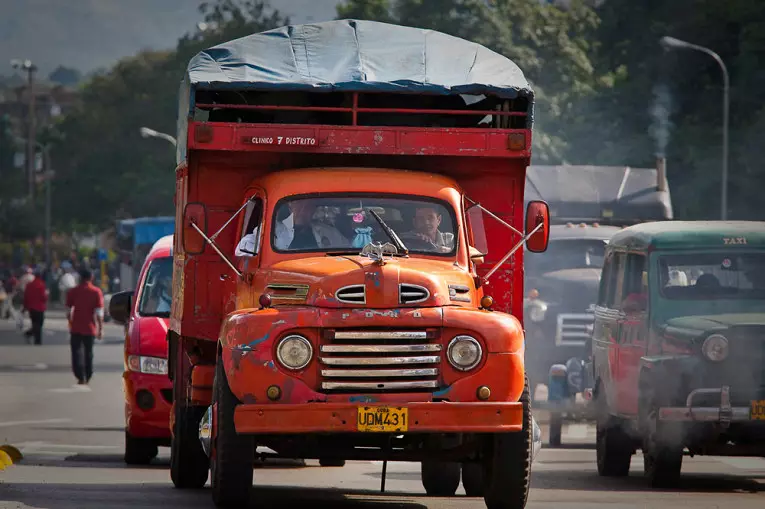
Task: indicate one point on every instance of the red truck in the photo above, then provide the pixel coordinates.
(348, 264)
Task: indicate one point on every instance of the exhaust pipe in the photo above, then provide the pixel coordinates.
(661, 173)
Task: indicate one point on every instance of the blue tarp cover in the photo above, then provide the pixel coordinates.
(351, 56)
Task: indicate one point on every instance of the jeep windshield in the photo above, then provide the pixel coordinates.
(343, 224)
(713, 276)
(567, 254)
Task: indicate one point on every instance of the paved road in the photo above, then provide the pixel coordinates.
(72, 439)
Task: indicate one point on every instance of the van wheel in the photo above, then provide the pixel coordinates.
(472, 479)
(232, 456)
(189, 464)
(507, 464)
(440, 479)
(331, 462)
(139, 451)
(556, 428)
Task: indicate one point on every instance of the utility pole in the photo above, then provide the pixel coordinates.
(48, 178)
(30, 69)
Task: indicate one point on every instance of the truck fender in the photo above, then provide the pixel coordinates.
(672, 373)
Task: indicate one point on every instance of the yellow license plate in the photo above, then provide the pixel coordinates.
(758, 410)
(382, 419)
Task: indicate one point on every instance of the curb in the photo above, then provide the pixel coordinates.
(9, 455)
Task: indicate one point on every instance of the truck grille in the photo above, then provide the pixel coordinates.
(353, 294)
(412, 294)
(380, 361)
(573, 329)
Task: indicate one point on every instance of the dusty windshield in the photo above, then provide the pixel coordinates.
(567, 254)
(712, 276)
(156, 295)
(344, 223)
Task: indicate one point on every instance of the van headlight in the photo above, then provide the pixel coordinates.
(464, 352)
(715, 348)
(149, 365)
(537, 311)
(294, 352)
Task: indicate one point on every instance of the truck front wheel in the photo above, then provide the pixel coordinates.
(232, 456)
(189, 464)
(472, 479)
(507, 464)
(440, 479)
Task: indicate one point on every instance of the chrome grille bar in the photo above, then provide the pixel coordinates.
(380, 348)
(383, 373)
(381, 335)
(379, 361)
(388, 386)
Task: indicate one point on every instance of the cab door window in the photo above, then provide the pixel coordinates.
(614, 291)
(635, 288)
(252, 226)
(607, 280)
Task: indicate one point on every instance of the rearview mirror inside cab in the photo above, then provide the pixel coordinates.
(193, 242)
(538, 222)
(119, 307)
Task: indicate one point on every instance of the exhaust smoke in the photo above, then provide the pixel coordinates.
(661, 124)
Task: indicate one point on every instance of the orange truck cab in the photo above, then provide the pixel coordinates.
(348, 271)
(145, 313)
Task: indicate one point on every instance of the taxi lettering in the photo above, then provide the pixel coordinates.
(734, 240)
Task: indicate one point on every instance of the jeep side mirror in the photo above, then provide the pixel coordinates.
(193, 242)
(475, 255)
(537, 226)
(120, 306)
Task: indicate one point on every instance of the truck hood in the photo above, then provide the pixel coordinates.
(694, 325)
(329, 279)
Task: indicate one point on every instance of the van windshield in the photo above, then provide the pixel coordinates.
(344, 223)
(156, 293)
(711, 276)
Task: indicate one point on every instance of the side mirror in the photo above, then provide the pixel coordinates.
(120, 306)
(537, 213)
(193, 242)
(476, 255)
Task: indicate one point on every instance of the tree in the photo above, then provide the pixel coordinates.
(65, 76)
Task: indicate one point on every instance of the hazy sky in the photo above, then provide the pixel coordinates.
(90, 34)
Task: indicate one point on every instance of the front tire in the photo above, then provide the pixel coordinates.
(662, 442)
(440, 479)
(472, 479)
(189, 464)
(232, 458)
(507, 464)
(139, 451)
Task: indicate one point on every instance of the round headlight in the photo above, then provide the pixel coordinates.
(715, 348)
(537, 311)
(294, 352)
(464, 352)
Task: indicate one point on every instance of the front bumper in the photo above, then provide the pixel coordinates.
(153, 421)
(724, 414)
(424, 417)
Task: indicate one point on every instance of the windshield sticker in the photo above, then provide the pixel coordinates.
(734, 240)
(726, 263)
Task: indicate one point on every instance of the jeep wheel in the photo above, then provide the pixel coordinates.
(472, 479)
(613, 448)
(556, 428)
(662, 441)
(507, 464)
(189, 464)
(232, 456)
(139, 451)
(440, 479)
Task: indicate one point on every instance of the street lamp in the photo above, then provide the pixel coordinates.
(151, 133)
(30, 68)
(672, 43)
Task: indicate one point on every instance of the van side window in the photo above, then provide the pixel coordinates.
(606, 280)
(249, 245)
(614, 297)
(634, 294)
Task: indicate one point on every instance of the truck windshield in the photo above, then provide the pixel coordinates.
(567, 254)
(711, 276)
(343, 223)
(156, 293)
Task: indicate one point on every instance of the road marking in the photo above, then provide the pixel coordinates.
(744, 463)
(74, 388)
(31, 367)
(8, 424)
(71, 447)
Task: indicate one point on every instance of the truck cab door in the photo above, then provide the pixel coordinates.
(605, 332)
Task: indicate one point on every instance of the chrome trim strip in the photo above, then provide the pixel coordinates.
(412, 291)
(379, 361)
(380, 348)
(357, 297)
(382, 373)
(381, 335)
(421, 384)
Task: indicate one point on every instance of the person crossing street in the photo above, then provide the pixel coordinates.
(85, 312)
(35, 303)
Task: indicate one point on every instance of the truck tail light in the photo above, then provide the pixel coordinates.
(516, 141)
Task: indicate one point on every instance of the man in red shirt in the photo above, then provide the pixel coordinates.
(85, 311)
(35, 302)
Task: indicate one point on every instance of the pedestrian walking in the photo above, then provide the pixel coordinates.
(85, 312)
(35, 303)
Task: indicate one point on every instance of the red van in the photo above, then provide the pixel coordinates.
(145, 313)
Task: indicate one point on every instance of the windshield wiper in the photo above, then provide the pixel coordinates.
(390, 233)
